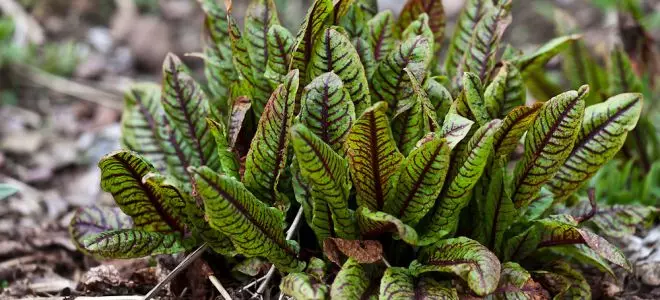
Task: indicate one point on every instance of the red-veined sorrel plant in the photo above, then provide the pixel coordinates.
(401, 176)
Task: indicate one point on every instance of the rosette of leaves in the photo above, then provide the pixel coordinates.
(400, 174)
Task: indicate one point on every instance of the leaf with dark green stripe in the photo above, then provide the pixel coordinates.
(254, 228)
(327, 110)
(303, 286)
(373, 157)
(463, 257)
(140, 123)
(133, 243)
(514, 126)
(218, 65)
(380, 34)
(176, 158)
(308, 33)
(366, 55)
(622, 75)
(333, 52)
(414, 120)
(186, 106)
(564, 281)
(189, 212)
(457, 192)
(327, 175)
(374, 224)
(466, 25)
(621, 220)
(267, 156)
(420, 27)
(435, 12)
(505, 92)
(302, 192)
(482, 49)
(121, 175)
(228, 160)
(398, 283)
(420, 180)
(473, 93)
(496, 211)
(239, 49)
(341, 8)
(280, 45)
(548, 143)
(603, 133)
(260, 16)
(354, 21)
(580, 254)
(539, 206)
(439, 96)
(390, 82)
(92, 220)
(351, 282)
(455, 128)
(536, 60)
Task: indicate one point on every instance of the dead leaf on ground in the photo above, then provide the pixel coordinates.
(362, 251)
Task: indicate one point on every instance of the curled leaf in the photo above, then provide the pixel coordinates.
(361, 251)
(373, 224)
(303, 286)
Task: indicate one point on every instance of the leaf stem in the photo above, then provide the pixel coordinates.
(289, 235)
(182, 266)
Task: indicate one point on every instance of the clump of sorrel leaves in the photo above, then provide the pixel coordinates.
(397, 162)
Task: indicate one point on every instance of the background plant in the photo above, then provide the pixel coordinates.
(388, 160)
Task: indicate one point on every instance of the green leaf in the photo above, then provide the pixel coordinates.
(333, 52)
(280, 45)
(366, 55)
(351, 282)
(140, 123)
(456, 194)
(455, 128)
(302, 191)
(218, 65)
(380, 34)
(327, 175)
(303, 286)
(391, 82)
(539, 206)
(536, 60)
(341, 8)
(505, 92)
(419, 27)
(482, 49)
(581, 254)
(439, 96)
(621, 220)
(240, 54)
(93, 220)
(267, 156)
(186, 106)
(317, 268)
(354, 21)
(562, 230)
(603, 133)
(375, 223)
(398, 283)
(413, 121)
(464, 258)
(548, 143)
(373, 157)
(435, 17)
(228, 160)
(517, 283)
(132, 243)
(622, 75)
(420, 180)
(564, 281)
(260, 16)
(472, 13)
(496, 210)
(188, 212)
(254, 228)
(473, 97)
(122, 175)
(327, 110)
(514, 126)
(308, 33)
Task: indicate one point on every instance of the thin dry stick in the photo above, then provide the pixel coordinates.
(289, 235)
(87, 298)
(182, 266)
(68, 87)
(216, 283)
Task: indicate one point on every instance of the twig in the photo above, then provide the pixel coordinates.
(182, 266)
(68, 87)
(216, 283)
(27, 28)
(289, 235)
(387, 263)
(86, 298)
